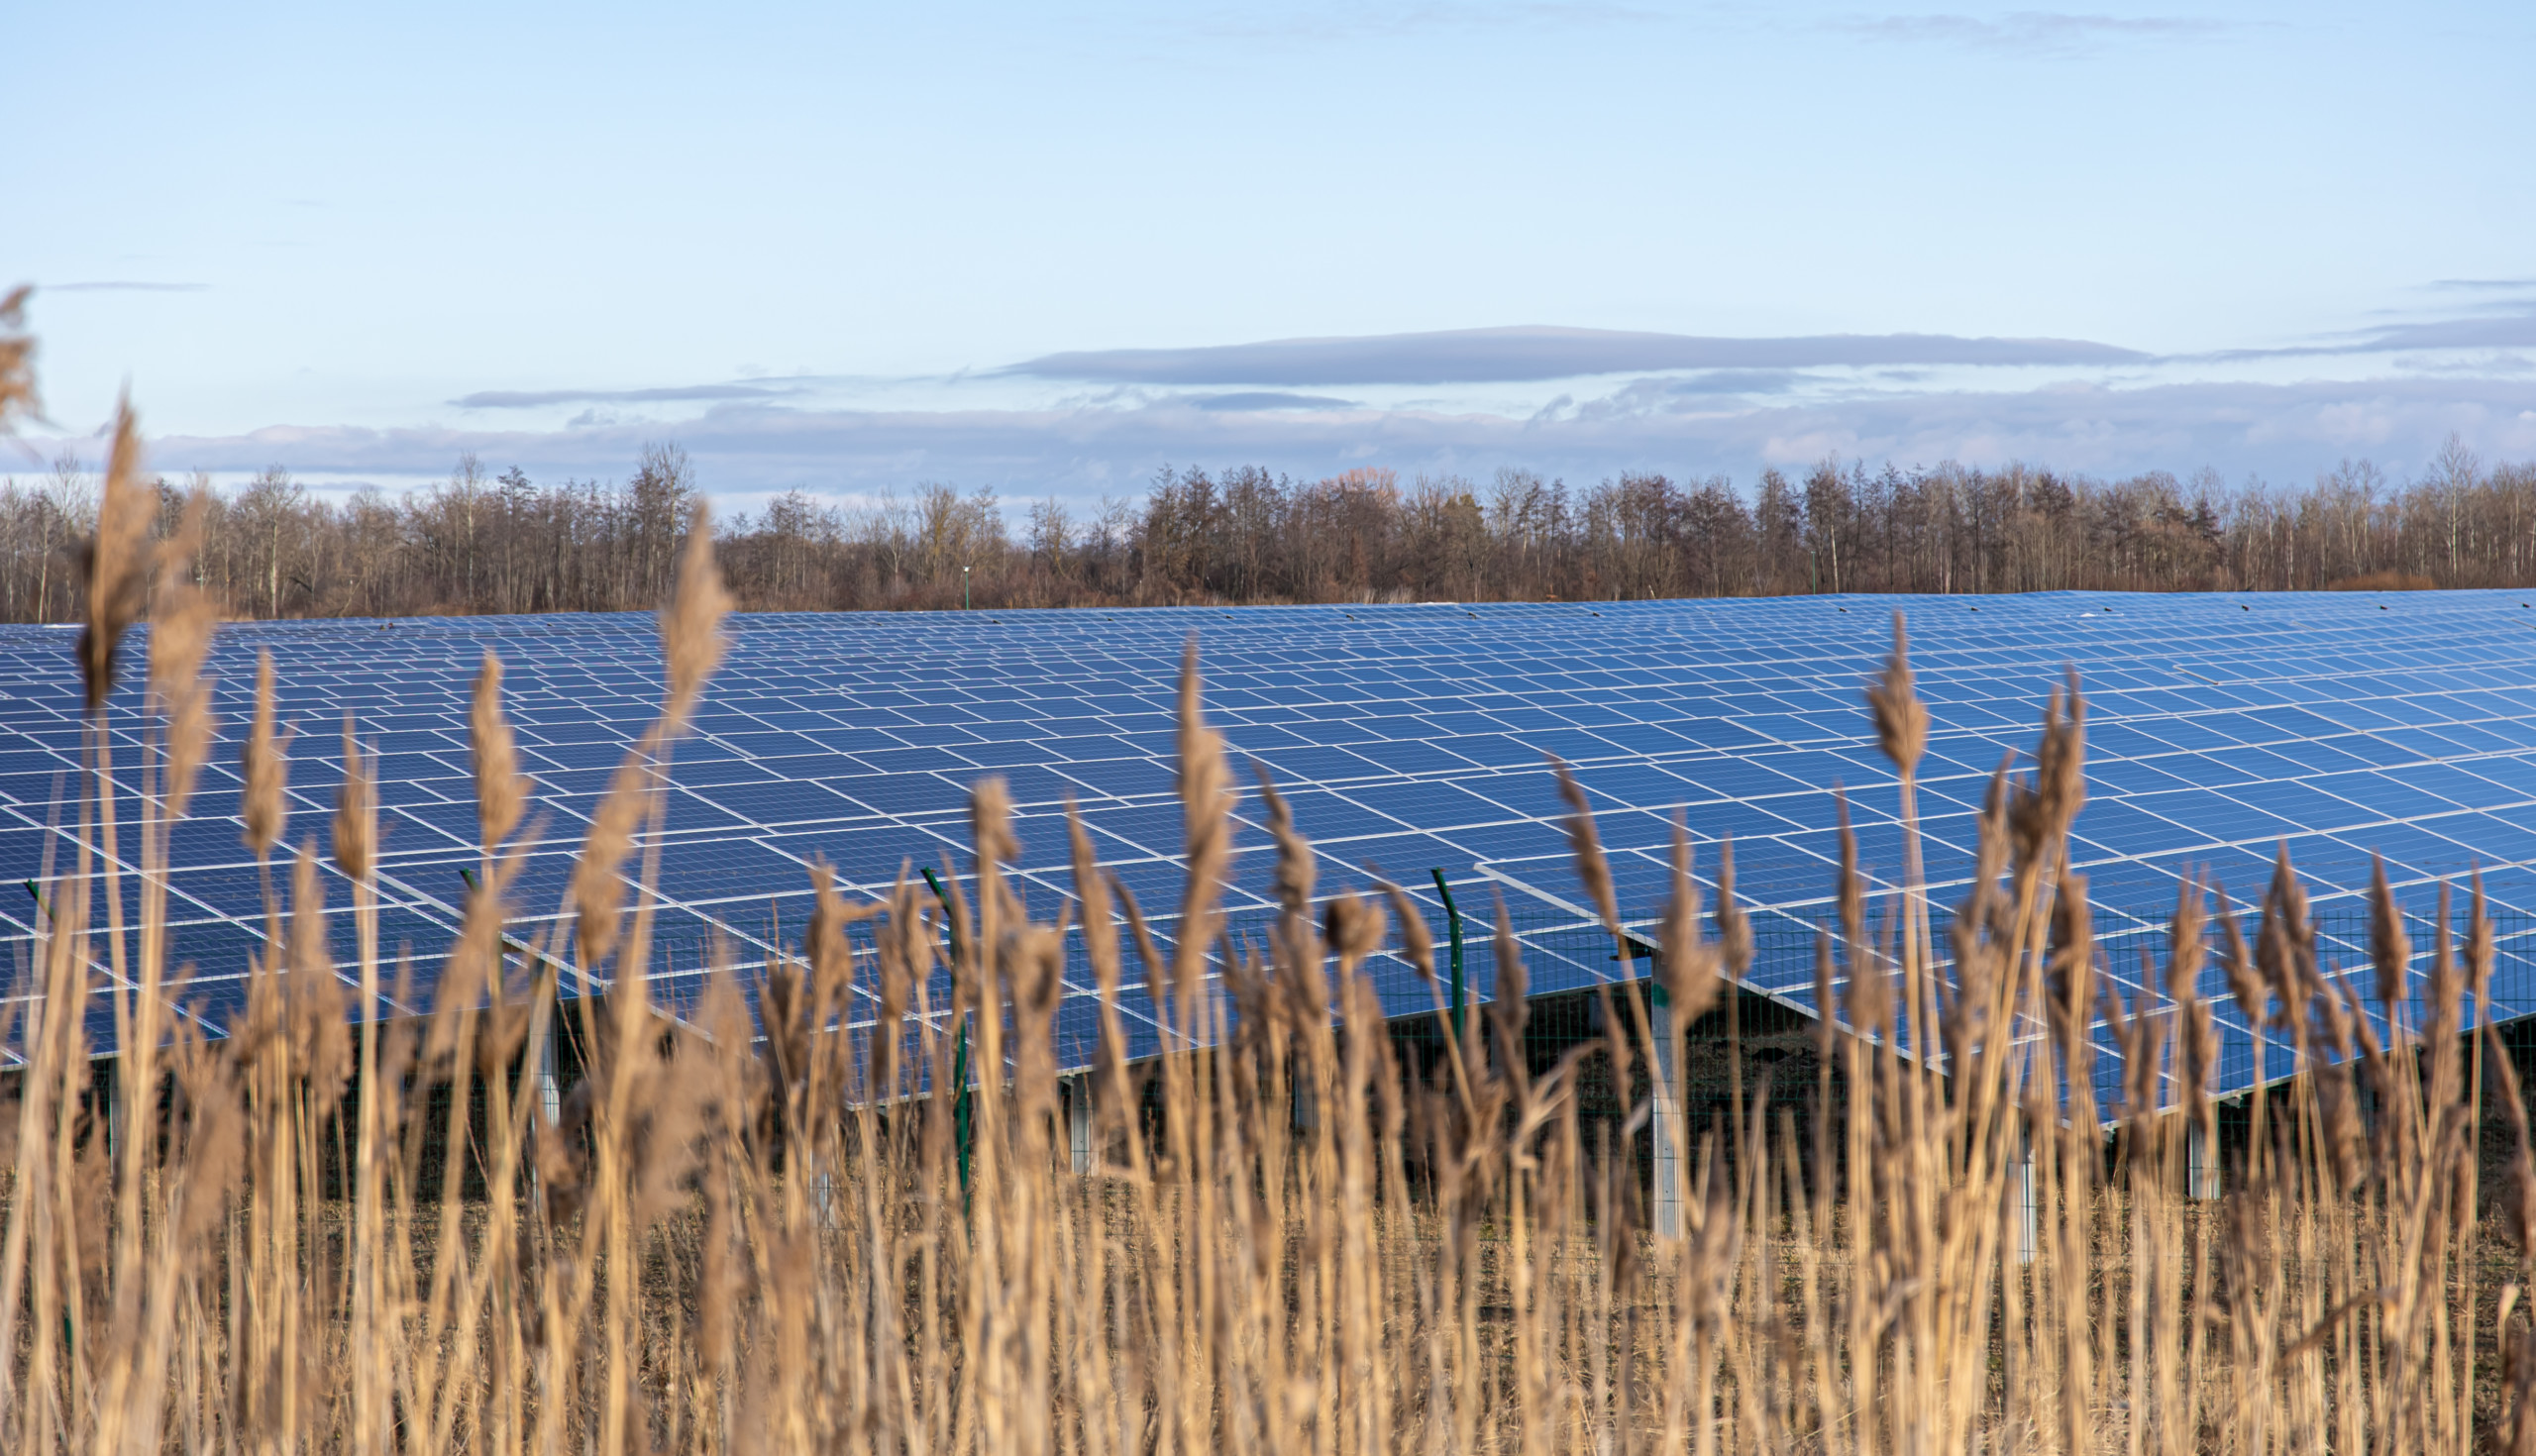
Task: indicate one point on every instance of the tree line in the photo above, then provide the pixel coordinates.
(481, 542)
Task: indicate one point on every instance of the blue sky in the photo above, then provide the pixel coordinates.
(1034, 248)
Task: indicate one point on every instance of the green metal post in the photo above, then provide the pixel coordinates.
(960, 1101)
(1453, 930)
(950, 925)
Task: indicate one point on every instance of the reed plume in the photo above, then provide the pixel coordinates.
(1686, 967)
(1901, 719)
(17, 360)
(691, 624)
(181, 622)
(501, 791)
(263, 767)
(319, 1015)
(115, 561)
(692, 648)
(356, 812)
(1586, 847)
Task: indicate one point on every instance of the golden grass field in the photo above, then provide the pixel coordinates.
(727, 1243)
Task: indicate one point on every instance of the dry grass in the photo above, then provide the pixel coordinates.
(727, 1243)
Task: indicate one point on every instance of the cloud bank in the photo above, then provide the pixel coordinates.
(2513, 329)
(1533, 354)
(2282, 432)
(1583, 404)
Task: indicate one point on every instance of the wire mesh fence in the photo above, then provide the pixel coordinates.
(1565, 957)
(1759, 1048)
(1577, 976)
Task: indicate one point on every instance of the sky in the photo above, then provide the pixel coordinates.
(1049, 250)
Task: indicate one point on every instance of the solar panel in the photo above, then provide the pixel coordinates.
(1407, 738)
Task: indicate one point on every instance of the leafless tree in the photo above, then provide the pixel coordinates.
(482, 543)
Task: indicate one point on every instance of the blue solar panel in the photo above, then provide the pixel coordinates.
(1406, 737)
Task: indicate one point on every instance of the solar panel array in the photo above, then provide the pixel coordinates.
(1404, 737)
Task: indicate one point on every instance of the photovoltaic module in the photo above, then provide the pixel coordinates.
(1407, 739)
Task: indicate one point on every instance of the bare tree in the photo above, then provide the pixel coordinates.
(478, 543)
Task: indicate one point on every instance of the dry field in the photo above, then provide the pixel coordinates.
(727, 1243)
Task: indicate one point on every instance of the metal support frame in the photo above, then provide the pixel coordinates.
(550, 1085)
(2200, 1161)
(2025, 1227)
(1667, 1116)
(1305, 1104)
(1079, 1126)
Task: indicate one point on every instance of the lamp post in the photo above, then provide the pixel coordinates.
(964, 588)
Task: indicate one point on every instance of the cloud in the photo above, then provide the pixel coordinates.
(1257, 399)
(2501, 327)
(2496, 363)
(121, 285)
(1534, 353)
(2510, 330)
(1702, 391)
(2037, 33)
(537, 398)
(2283, 431)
